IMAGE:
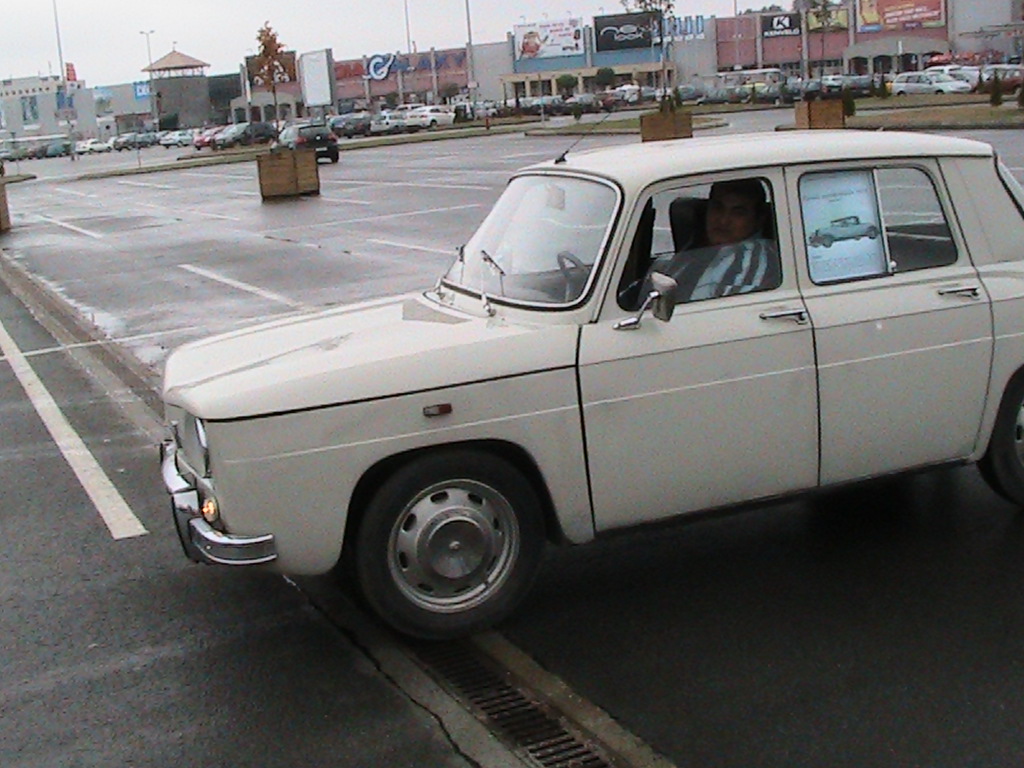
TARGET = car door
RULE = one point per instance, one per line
(716, 406)
(902, 326)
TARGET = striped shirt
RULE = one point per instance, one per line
(738, 268)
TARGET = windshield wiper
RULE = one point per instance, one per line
(487, 258)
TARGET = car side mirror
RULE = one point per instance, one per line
(661, 300)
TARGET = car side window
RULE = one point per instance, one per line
(715, 239)
(869, 223)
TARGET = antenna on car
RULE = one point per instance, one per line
(593, 126)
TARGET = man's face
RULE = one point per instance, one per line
(731, 218)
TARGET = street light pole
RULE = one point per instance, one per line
(408, 35)
(63, 80)
(152, 95)
(470, 75)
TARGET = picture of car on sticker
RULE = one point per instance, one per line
(842, 225)
(845, 228)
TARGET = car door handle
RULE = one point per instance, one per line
(799, 316)
(969, 291)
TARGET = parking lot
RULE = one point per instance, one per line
(879, 625)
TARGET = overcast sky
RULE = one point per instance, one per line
(102, 37)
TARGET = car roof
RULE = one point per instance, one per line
(637, 165)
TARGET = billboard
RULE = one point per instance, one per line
(627, 30)
(876, 15)
(838, 18)
(316, 77)
(549, 38)
(780, 25)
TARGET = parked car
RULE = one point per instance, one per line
(59, 148)
(398, 114)
(351, 124)
(858, 86)
(205, 137)
(927, 82)
(179, 138)
(435, 444)
(585, 102)
(689, 92)
(1011, 76)
(124, 141)
(315, 136)
(244, 135)
(727, 95)
(384, 123)
(429, 117)
(547, 105)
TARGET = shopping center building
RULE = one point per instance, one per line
(853, 36)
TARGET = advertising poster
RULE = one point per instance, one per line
(841, 226)
(627, 30)
(781, 25)
(838, 18)
(549, 38)
(876, 15)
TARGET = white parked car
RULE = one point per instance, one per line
(928, 82)
(88, 146)
(590, 361)
(181, 138)
(429, 117)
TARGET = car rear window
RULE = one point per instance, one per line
(314, 132)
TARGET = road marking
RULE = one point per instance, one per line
(381, 217)
(416, 185)
(244, 194)
(72, 227)
(190, 210)
(208, 175)
(118, 516)
(146, 184)
(345, 200)
(247, 287)
(67, 191)
(448, 252)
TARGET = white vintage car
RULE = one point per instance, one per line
(568, 376)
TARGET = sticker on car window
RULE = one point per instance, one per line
(841, 226)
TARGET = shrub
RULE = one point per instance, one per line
(995, 94)
(849, 105)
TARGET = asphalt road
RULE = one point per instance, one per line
(876, 626)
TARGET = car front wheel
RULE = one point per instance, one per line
(1003, 463)
(449, 544)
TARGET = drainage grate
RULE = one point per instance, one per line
(533, 729)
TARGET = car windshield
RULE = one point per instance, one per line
(541, 241)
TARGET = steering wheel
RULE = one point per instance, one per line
(572, 270)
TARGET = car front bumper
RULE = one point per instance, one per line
(201, 541)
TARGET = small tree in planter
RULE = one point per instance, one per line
(849, 104)
(566, 85)
(270, 63)
(995, 95)
(604, 77)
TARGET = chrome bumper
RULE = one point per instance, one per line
(201, 541)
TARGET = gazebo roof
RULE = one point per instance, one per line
(175, 60)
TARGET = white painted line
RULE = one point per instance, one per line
(146, 184)
(247, 287)
(194, 212)
(74, 192)
(72, 227)
(448, 252)
(415, 185)
(381, 217)
(244, 194)
(208, 175)
(345, 200)
(116, 513)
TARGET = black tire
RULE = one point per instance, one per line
(449, 545)
(1002, 466)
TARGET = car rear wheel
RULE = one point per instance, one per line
(449, 545)
(1002, 466)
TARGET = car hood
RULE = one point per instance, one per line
(405, 344)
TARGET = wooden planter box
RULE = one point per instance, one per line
(820, 113)
(287, 172)
(657, 126)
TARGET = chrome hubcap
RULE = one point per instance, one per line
(453, 546)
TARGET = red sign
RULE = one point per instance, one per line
(69, 72)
